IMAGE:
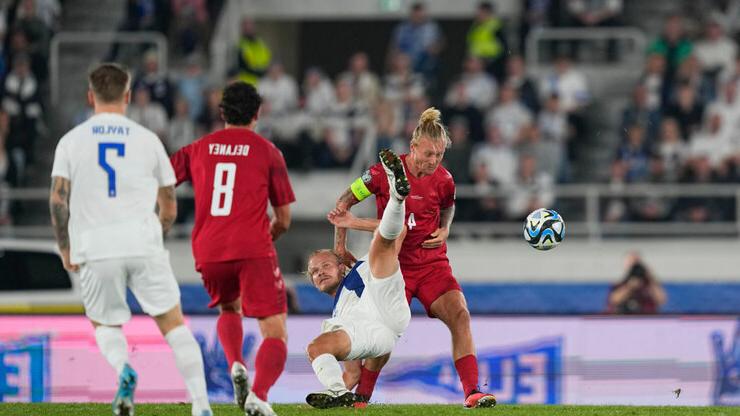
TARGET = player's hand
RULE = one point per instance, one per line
(67, 263)
(341, 219)
(438, 238)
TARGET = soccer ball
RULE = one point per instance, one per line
(544, 229)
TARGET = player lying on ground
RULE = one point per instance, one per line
(370, 308)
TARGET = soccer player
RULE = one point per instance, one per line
(108, 174)
(370, 308)
(426, 269)
(234, 173)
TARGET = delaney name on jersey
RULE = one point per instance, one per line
(219, 149)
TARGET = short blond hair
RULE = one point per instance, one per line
(333, 253)
(430, 126)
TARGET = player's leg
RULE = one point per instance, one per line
(188, 357)
(452, 309)
(324, 353)
(221, 281)
(103, 287)
(383, 255)
(154, 285)
(263, 297)
(368, 377)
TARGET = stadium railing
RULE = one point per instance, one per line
(581, 205)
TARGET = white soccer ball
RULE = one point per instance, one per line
(544, 229)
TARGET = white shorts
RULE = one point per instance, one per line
(103, 285)
(376, 335)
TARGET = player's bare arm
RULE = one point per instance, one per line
(440, 235)
(167, 202)
(280, 221)
(344, 203)
(59, 209)
(348, 221)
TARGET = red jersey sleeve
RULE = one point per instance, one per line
(281, 193)
(181, 164)
(447, 193)
(374, 178)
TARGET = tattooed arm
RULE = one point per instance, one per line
(167, 207)
(344, 203)
(59, 209)
(440, 235)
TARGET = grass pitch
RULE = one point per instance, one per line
(18, 409)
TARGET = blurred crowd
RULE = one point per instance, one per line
(510, 131)
(682, 125)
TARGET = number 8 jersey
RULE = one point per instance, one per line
(234, 173)
(115, 167)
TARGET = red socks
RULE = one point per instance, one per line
(467, 369)
(231, 335)
(367, 382)
(268, 365)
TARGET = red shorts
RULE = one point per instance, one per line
(428, 283)
(257, 281)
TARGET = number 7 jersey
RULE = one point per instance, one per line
(234, 173)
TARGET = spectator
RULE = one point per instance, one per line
(711, 142)
(639, 111)
(389, 129)
(673, 45)
(568, 83)
(553, 125)
(525, 86)
(19, 46)
(182, 129)
(279, 92)
(716, 51)
(37, 31)
(420, 39)
(589, 13)
(402, 86)
(190, 27)
(365, 84)
(458, 105)
(487, 40)
(700, 209)
(616, 206)
(635, 154)
(510, 116)
(210, 118)
(532, 189)
(493, 162)
(148, 113)
(690, 72)
(480, 87)
(653, 80)
(254, 56)
(157, 82)
(671, 149)
(22, 102)
(457, 157)
(687, 110)
(538, 14)
(318, 93)
(639, 292)
(192, 84)
(728, 107)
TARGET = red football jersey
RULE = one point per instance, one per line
(428, 196)
(234, 172)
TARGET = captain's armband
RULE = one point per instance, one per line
(359, 189)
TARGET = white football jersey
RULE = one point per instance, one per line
(115, 167)
(349, 301)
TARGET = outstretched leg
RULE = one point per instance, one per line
(324, 353)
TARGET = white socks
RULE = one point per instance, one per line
(190, 363)
(112, 343)
(329, 372)
(391, 224)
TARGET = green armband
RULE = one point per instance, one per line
(359, 190)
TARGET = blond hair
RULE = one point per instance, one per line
(430, 126)
(336, 256)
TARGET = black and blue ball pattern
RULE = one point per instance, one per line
(544, 229)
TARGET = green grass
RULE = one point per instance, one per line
(18, 409)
